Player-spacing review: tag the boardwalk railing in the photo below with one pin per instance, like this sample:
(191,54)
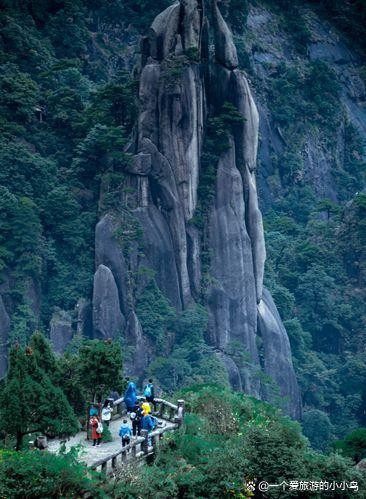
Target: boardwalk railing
(147,443)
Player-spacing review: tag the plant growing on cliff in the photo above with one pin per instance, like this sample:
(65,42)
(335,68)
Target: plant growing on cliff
(155,313)
(216,141)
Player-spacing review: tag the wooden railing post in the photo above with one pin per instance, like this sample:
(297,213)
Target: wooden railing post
(154,441)
(161,409)
(145,443)
(180,412)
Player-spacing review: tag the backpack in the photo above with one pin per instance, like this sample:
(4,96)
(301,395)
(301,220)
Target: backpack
(147,391)
(99,428)
(124,430)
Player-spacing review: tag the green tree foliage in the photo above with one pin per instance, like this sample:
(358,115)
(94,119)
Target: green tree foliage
(100,368)
(155,314)
(31,403)
(191,359)
(314,286)
(63,125)
(353,445)
(68,373)
(37,474)
(318,428)
(227,440)
(43,355)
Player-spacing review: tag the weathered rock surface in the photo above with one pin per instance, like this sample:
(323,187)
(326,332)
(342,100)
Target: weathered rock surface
(162,35)
(108,252)
(159,252)
(4,335)
(225,50)
(61,332)
(178,92)
(84,325)
(232,299)
(277,355)
(269,47)
(140,357)
(108,321)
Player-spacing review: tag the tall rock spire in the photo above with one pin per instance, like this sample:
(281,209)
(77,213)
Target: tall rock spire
(183,84)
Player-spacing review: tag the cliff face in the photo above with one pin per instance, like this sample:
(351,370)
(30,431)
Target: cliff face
(272,56)
(182,86)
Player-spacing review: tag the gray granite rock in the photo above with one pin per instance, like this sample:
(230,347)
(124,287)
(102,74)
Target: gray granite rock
(108,320)
(61,332)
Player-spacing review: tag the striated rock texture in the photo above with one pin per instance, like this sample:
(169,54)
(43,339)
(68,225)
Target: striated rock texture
(182,86)
(108,320)
(277,354)
(61,331)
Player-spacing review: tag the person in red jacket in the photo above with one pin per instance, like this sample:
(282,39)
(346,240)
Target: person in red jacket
(95,425)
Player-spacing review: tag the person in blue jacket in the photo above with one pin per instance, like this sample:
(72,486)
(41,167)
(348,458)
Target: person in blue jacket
(125,433)
(148,423)
(130,396)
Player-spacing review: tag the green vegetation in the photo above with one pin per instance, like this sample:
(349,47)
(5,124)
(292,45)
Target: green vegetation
(353,445)
(303,99)
(235,12)
(315,250)
(62,132)
(314,269)
(40,475)
(30,403)
(100,368)
(182,355)
(315,245)
(227,440)
(349,16)
(42,394)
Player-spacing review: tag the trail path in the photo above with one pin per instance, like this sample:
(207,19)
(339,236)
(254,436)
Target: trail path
(89,454)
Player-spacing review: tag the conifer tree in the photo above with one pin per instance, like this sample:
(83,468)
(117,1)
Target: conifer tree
(43,355)
(100,367)
(30,403)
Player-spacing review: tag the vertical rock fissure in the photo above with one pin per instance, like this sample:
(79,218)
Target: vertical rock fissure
(201,226)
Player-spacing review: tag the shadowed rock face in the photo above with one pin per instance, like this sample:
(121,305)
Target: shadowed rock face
(108,320)
(61,331)
(178,92)
(277,354)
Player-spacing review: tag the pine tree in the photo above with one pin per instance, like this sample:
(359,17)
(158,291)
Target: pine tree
(100,367)
(44,356)
(30,403)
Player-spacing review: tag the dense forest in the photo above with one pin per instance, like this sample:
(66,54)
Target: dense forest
(69,104)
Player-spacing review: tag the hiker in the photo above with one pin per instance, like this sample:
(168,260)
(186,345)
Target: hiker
(145,406)
(148,423)
(130,396)
(125,433)
(149,393)
(136,416)
(96,430)
(93,411)
(106,413)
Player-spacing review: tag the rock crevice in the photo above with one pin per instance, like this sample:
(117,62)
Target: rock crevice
(181,87)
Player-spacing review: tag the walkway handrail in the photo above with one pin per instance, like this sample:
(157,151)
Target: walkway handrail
(148,442)
(167,410)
